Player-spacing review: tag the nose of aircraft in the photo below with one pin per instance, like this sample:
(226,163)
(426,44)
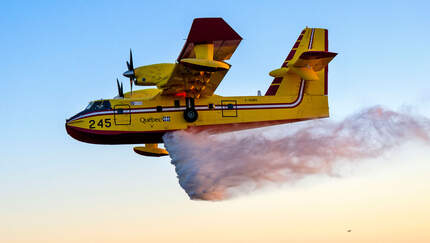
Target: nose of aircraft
(74,131)
(77,133)
(70,129)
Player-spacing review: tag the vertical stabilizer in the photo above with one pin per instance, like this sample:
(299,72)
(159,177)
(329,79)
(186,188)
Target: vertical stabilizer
(308,60)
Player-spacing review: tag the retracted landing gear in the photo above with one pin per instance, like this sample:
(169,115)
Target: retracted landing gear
(190,113)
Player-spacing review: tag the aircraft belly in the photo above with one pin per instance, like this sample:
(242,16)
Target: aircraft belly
(114,137)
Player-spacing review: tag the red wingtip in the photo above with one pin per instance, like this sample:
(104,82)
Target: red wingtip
(211,29)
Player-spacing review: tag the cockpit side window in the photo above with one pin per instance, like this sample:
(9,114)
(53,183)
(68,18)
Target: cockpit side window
(98,105)
(106,105)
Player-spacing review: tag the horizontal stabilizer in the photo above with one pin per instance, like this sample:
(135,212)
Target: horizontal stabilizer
(306,73)
(306,65)
(317,60)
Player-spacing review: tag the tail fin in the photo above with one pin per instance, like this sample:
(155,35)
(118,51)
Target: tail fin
(308,60)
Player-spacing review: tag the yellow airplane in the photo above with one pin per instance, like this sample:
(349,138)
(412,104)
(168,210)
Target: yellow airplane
(184,96)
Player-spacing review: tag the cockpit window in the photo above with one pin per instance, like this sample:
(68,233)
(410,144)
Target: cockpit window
(98,105)
(106,105)
(89,105)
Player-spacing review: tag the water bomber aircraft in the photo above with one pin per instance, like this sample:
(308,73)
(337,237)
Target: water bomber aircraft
(184,99)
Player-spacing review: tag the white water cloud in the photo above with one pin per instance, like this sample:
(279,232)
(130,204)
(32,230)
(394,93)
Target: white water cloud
(211,167)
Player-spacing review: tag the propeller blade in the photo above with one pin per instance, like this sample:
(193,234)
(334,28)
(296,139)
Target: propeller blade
(131,86)
(131,61)
(130,68)
(130,72)
(120,90)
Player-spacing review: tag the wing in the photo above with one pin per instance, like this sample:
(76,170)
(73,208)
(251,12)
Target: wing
(201,64)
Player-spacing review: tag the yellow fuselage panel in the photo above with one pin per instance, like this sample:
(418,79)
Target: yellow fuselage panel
(161,115)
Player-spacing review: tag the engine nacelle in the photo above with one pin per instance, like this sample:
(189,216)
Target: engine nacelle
(155,74)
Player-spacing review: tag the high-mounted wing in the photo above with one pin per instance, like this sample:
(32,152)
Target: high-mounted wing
(211,31)
(200,66)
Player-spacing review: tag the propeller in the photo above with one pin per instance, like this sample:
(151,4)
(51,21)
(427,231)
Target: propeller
(130,72)
(120,89)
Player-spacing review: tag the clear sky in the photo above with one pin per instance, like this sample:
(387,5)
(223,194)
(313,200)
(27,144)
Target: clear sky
(56,56)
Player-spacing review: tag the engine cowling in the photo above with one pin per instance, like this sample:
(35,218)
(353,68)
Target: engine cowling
(155,74)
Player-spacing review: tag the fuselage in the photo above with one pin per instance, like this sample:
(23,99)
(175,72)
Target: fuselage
(146,120)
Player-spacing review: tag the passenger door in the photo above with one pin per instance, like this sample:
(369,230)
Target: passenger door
(229,108)
(122,115)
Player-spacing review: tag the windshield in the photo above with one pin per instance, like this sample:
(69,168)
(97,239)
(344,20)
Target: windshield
(89,105)
(98,105)
(93,106)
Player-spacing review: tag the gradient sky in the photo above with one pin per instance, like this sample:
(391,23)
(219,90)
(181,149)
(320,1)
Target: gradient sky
(56,56)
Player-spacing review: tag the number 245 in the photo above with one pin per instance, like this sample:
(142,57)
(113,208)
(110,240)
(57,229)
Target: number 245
(101,123)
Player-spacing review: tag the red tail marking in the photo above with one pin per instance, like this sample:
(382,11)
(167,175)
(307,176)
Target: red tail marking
(290,55)
(277,81)
(272,90)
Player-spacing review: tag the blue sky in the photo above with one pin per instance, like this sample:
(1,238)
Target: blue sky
(59,55)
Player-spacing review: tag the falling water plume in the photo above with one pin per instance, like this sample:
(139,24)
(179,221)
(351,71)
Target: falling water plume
(211,167)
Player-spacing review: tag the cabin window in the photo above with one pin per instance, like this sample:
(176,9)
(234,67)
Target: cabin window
(159,109)
(177,104)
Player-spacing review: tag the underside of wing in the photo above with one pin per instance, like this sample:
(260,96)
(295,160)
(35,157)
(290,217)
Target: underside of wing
(186,81)
(201,64)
